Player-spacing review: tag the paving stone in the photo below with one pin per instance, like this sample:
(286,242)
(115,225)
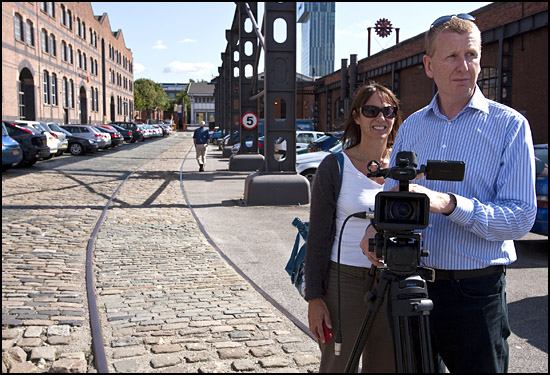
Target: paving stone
(164,361)
(232,353)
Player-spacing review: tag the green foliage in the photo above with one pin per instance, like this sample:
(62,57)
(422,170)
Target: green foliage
(148,95)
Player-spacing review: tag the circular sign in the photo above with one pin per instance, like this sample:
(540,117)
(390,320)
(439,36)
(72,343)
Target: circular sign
(249,120)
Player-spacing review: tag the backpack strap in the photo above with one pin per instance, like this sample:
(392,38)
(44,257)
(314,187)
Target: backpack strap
(340,157)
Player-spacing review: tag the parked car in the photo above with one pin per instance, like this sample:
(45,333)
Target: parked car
(307,164)
(541,162)
(303,139)
(166,129)
(80,146)
(116,137)
(89,132)
(11,151)
(33,143)
(147,132)
(53,142)
(325,143)
(137,131)
(61,137)
(216,136)
(127,134)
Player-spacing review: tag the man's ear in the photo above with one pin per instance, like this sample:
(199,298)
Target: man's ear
(428,66)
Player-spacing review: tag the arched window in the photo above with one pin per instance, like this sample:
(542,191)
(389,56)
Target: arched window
(53,47)
(44,41)
(29,33)
(19,27)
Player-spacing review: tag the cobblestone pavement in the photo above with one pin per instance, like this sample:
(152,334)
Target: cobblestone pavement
(167,301)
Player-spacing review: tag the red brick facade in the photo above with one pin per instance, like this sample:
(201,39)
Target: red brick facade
(74,69)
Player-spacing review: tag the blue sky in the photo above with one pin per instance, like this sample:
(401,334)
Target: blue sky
(178,41)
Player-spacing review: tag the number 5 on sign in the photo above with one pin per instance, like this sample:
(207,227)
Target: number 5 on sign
(249,120)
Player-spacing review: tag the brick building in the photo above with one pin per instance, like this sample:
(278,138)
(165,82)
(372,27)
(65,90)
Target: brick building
(514,64)
(61,63)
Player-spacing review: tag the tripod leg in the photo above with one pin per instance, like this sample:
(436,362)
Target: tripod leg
(376,302)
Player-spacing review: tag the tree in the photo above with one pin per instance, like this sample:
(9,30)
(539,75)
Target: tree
(149,95)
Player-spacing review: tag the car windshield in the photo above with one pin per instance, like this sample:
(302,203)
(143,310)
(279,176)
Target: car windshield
(54,127)
(4,130)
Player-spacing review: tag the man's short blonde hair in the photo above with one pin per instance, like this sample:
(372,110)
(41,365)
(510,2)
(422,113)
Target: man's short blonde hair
(455,25)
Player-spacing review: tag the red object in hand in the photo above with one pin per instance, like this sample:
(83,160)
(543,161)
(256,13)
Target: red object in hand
(327,333)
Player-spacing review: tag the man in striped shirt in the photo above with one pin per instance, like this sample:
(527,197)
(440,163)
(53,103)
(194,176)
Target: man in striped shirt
(473,222)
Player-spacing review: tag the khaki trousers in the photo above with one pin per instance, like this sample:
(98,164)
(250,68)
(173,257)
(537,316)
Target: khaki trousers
(378,354)
(200,151)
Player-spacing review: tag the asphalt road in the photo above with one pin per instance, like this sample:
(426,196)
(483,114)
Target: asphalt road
(259,240)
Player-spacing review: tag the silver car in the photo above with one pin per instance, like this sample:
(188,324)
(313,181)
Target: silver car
(89,132)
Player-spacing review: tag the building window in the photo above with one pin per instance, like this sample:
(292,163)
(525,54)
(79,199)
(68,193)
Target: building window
(70,96)
(70,19)
(29,33)
(46,87)
(78,27)
(54,89)
(70,55)
(44,40)
(53,47)
(92,103)
(18,22)
(84,61)
(21,99)
(64,90)
(488,82)
(63,51)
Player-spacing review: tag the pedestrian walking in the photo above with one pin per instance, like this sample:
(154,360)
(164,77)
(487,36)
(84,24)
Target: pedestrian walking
(200,139)
(473,223)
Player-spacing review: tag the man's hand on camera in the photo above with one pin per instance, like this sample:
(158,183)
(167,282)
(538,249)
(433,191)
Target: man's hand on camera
(440,203)
(371,255)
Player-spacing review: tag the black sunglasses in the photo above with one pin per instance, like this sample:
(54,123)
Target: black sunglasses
(371,111)
(443,19)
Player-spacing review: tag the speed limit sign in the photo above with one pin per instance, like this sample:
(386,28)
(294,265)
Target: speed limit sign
(249,120)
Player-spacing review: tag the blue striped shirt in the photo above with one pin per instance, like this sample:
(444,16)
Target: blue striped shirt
(496,201)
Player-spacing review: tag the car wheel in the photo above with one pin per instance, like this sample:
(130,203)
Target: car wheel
(309,174)
(76,149)
(59,153)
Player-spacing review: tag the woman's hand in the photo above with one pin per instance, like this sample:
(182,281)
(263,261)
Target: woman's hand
(317,313)
(371,255)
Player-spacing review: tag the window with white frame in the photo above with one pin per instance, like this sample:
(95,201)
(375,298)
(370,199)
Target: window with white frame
(46,86)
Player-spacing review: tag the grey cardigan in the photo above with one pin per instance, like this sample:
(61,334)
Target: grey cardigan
(322,226)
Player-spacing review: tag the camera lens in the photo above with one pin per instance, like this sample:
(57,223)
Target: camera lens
(402,210)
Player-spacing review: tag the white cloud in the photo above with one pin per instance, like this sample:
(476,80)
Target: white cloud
(159,45)
(187,40)
(138,68)
(199,70)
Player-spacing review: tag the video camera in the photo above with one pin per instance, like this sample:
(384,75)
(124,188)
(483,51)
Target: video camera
(398,214)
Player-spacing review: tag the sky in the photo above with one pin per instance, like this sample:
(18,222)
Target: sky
(174,42)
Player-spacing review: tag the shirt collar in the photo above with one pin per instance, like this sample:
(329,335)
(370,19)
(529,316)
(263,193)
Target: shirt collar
(478,102)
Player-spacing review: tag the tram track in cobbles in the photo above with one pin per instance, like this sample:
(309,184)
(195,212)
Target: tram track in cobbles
(166,299)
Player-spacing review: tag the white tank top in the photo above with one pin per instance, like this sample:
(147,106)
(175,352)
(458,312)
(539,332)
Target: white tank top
(357,194)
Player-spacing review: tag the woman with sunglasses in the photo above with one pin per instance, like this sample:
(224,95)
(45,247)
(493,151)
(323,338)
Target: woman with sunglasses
(369,134)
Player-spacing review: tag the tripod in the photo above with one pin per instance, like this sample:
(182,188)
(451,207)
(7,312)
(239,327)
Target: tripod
(410,308)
